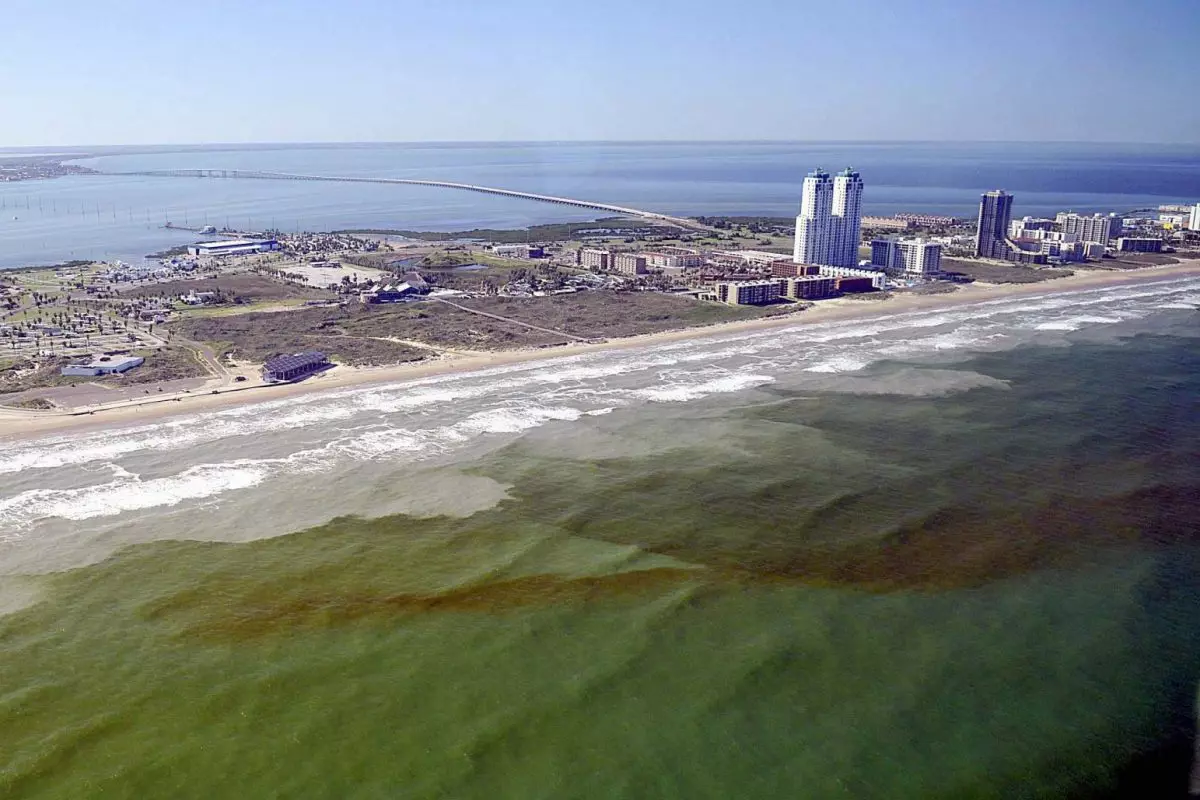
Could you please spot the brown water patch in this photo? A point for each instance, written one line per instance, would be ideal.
(259, 616)
(961, 547)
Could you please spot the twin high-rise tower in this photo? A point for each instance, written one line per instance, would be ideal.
(830, 222)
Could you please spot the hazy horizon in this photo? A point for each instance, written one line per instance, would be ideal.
(35, 149)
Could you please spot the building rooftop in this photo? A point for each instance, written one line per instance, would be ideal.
(108, 362)
(232, 243)
(294, 360)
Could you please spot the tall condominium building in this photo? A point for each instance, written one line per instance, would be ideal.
(815, 220)
(830, 222)
(847, 219)
(995, 213)
(1093, 228)
(1194, 222)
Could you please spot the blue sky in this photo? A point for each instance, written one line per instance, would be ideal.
(78, 72)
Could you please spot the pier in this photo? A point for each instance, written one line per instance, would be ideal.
(681, 222)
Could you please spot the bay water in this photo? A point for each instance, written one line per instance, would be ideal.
(121, 217)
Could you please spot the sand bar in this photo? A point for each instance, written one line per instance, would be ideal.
(16, 424)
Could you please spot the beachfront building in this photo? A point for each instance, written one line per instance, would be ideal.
(1087, 228)
(874, 277)
(747, 293)
(293, 367)
(995, 213)
(915, 257)
(104, 365)
(807, 287)
(1194, 218)
(811, 245)
(829, 225)
(847, 219)
(1139, 244)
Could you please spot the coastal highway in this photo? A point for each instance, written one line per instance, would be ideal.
(681, 222)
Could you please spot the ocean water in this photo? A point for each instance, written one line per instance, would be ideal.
(947, 553)
(106, 217)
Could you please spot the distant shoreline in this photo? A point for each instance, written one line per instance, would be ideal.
(17, 424)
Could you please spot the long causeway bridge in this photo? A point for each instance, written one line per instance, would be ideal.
(681, 222)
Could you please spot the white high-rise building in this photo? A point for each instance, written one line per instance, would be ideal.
(1094, 228)
(916, 257)
(1194, 222)
(847, 219)
(829, 226)
(815, 222)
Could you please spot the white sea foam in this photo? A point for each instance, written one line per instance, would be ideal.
(846, 363)
(513, 420)
(1075, 323)
(684, 391)
(120, 496)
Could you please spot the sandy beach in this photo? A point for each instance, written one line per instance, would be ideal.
(16, 424)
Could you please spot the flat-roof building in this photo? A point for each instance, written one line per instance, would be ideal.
(674, 260)
(876, 277)
(1194, 218)
(1030, 227)
(519, 250)
(593, 258)
(1089, 228)
(995, 212)
(784, 268)
(232, 247)
(629, 264)
(926, 219)
(760, 258)
(807, 287)
(104, 365)
(747, 293)
(849, 285)
(294, 366)
(918, 257)
(1139, 244)
(887, 223)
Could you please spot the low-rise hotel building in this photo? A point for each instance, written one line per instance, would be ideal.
(785, 268)
(807, 287)
(674, 260)
(747, 293)
(629, 264)
(595, 258)
(1139, 244)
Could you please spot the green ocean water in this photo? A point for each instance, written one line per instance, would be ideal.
(989, 593)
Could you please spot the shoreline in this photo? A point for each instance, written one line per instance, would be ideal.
(16, 424)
